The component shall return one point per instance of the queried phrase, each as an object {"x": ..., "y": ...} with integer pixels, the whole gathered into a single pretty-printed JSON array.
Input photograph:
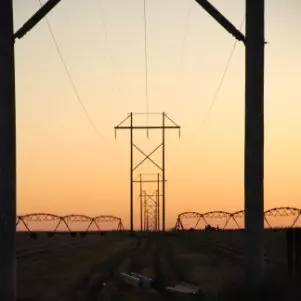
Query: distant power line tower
[
  {"x": 129, "y": 124},
  {"x": 151, "y": 211},
  {"x": 150, "y": 202},
  {"x": 152, "y": 179}
]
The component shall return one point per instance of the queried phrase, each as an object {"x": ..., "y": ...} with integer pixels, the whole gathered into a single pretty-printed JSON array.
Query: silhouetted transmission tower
[
  {"x": 150, "y": 201},
  {"x": 128, "y": 124}
]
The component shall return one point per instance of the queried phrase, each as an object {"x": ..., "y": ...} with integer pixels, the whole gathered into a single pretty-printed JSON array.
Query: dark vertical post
[
  {"x": 290, "y": 251},
  {"x": 147, "y": 220},
  {"x": 163, "y": 172},
  {"x": 7, "y": 154},
  {"x": 131, "y": 205},
  {"x": 144, "y": 211},
  {"x": 254, "y": 141},
  {"x": 156, "y": 210},
  {"x": 158, "y": 206},
  {"x": 141, "y": 205},
  {"x": 298, "y": 256},
  {"x": 293, "y": 250}
]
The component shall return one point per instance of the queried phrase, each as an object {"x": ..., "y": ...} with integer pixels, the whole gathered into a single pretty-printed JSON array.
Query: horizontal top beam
[
  {"x": 135, "y": 127},
  {"x": 130, "y": 119},
  {"x": 149, "y": 113},
  {"x": 149, "y": 181}
]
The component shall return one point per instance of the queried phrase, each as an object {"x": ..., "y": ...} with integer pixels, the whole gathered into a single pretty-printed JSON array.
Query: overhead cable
[
  {"x": 219, "y": 86},
  {"x": 71, "y": 79}
]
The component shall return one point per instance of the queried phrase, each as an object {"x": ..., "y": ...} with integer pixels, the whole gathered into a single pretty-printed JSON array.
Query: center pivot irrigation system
[
  {"x": 225, "y": 218},
  {"x": 254, "y": 43},
  {"x": 67, "y": 220}
]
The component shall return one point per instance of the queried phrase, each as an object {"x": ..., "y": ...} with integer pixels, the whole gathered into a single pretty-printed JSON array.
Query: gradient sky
[{"x": 65, "y": 167}]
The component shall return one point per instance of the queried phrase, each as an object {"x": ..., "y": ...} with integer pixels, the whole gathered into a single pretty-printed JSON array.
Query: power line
[
  {"x": 182, "y": 47},
  {"x": 185, "y": 32},
  {"x": 70, "y": 77},
  {"x": 104, "y": 26},
  {"x": 220, "y": 83},
  {"x": 218, "y": 87},
  {"x": 146, "y": 61}
]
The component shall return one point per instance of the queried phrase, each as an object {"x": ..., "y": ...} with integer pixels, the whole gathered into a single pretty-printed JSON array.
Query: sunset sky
[{"x": 65, "y": 167}]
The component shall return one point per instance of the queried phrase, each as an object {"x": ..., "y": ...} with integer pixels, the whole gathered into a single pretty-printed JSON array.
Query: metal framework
[
  {"x": 151, "y": 211},
  {"x": 150, "y": 203},
  {"x": 128, "y": 124},
  {"x": 228, "y": 216},
  {"x": 67, "y": 220}
]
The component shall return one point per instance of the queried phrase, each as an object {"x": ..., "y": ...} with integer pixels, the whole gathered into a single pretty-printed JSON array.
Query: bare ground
[{"x": 89, "y": 268}]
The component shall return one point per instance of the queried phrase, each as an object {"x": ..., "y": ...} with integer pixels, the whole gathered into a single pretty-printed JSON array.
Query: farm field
[{"x": 75, "y": 268}]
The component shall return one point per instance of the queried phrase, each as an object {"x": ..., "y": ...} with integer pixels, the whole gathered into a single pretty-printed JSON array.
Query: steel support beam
[
  {"x": 158, "y": 206},
  {"x": 7, "y": 154},
  {"x": 36, "y": 18},
  {"x": 224, "y": 22},
  {"x": 141, "y": 204},
  {"x": 131, "y": 177},
  {"x": 163, "y": 172}
]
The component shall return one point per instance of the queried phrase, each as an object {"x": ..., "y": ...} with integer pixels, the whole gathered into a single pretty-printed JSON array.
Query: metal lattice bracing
[
  {"x": 236, "y": 216},
  {"x": 279, "y": 212},
  {"x": 282, "y": 212},
  {"x": 206, "y": 217},
  {"x": 40, "y": 218},
  {"x": 189, "y": 215},
  {"x": 221, "y": 215},
  {"x": 79, "y": 219},
  {"x": 109, "y": 218}
]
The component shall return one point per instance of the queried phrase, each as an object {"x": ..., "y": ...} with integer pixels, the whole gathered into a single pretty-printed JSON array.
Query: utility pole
[
  {"x": 141, "y": 204},
  {"x": 158, "y": 205},
  {"x": 163, "y": 172},
  {"x": 254, "y": 141},
  {"x": 7, "y": 154},
  {"x": 254, "y": 132},
  {"x": 131, "y": 176},
  {"x": 8, "y": 143}
]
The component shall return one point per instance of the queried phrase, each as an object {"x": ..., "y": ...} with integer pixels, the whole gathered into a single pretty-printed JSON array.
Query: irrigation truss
[
  {"x": 68, "y": 220},
  {"x": 293, "y": 213}
]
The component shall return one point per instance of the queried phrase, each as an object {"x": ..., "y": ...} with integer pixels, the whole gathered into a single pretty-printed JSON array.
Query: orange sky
[{"x": 64, "y": 167}]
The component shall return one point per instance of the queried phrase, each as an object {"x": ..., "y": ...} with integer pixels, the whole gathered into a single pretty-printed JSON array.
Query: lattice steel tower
[{"x": 128, "y": 124}]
